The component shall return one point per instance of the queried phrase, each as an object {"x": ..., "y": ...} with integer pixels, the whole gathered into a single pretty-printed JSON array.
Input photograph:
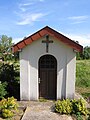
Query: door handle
[{"x": 39, "y": 80}]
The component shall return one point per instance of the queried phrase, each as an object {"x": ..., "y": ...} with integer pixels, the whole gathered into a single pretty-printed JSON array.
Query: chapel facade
[{"x": 47, "y": 65}]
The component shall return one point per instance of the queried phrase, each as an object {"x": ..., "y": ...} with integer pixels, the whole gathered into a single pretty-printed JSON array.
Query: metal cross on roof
[{"x": 47, "y": 41}]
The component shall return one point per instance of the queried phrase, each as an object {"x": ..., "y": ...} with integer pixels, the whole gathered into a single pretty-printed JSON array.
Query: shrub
[
  {"x": 71, "y": 107},
  {"x": 7, "y": 107},
  {"x": 79, "y": 106},
  {"x": 79, "y": 116},
  {"x": 88, "y": 117},
  {"x": 63, "y": 107},
  {"x": 3, "y": 91},
  {"x": 7, "y": 113},
  {"x": 9, "y": 72}
]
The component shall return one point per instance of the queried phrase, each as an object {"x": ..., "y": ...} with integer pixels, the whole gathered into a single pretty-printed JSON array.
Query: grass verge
[{"x": 83, "y": 78}]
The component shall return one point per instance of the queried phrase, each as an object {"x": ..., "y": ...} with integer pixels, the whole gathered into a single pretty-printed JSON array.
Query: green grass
[
  {"x": 85, "y": 95},
  {"x": 83, "y": 73},
  {"x": 42, "y": 100},
  {"x": 83, "y": 77}
]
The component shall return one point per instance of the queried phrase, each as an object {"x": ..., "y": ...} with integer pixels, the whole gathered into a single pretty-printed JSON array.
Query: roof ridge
[{"x": 47, "y": 30}]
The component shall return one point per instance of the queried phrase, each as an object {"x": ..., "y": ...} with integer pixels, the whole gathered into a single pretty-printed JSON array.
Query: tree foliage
[
  {"x": 9, "y": 69},
  {"x": 9, "y": 72},
  {"x": 3, "y": 91},
  {"x": 84, "y": 55},
  {"x": 5, "y": 48}
]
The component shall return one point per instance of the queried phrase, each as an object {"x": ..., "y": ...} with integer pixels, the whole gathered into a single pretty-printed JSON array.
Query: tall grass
[
  {"x": 83, "y": 78},
  {"x": 83, "y": 73}
]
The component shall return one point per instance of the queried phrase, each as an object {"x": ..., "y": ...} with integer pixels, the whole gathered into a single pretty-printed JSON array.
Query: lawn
[{"x": 83, "y": 77}]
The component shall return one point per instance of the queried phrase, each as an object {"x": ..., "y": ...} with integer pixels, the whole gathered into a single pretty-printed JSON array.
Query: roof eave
[{"x": 51, "y": 32}]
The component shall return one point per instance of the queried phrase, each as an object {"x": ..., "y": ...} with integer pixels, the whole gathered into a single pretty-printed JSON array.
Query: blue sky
[{"x": 20, "y": 18}]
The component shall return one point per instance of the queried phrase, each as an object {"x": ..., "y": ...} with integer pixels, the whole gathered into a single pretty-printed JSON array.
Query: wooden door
[{"x": 47, "y": 77}]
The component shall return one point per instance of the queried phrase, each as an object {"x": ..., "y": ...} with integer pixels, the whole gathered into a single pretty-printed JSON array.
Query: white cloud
[
  {"x": 82, "y": 39},
  {"x": 27, "y": 14},
  {"x": 78, "y": 19},
  {"x": 77, "y": 22},
  {"x": 16, "y": 40},
  {"x": 24, "y": 6},
  {"x": 27, "y": 4},
  {"x": 22, "y": 9},
  {"x": 30, "y": 18}
]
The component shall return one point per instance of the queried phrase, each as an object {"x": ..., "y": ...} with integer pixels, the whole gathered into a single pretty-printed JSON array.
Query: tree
[
  {"x": 85, "y": 54},
  {"x": 5, "y": 48}
]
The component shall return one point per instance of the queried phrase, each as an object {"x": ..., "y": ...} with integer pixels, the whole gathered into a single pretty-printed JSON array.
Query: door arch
[{"x": 47, "y": 76}]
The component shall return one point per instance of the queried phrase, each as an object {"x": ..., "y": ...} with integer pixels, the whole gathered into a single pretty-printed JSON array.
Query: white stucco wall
[{"x": 29, "y": 57}]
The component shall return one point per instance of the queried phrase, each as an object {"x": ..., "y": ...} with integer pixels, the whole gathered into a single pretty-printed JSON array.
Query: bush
[
  {"x": 7, "y": 107},
  {"x": 71, "y": 107},
  {"x": 63, "y": 107},
  {"x": 79, "y": 106},
  {"x": 3, "y": 91},
  {"x": 79, "y": 116},
  {"x": 9, "y": 72},
  {"x": 7, "y": 113}
]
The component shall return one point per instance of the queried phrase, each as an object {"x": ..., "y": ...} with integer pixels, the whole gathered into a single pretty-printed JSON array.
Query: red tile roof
[{"x": 51, "y": 32}]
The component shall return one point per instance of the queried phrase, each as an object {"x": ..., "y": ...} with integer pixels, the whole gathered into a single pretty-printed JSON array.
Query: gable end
[{"x": 43, "y": 32}]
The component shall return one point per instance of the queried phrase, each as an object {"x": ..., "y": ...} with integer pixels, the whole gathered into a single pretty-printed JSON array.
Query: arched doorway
[{"x": 47, "y": 77}]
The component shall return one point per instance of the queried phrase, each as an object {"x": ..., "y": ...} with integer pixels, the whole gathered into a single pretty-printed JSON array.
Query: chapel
[{"x": 47, "y": 65}]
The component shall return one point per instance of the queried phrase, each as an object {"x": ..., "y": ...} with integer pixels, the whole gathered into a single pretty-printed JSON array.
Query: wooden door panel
[
  {"x": 47, "y": 83},
  {"x": 43, "y": 83},
  {"x": 51, "y": 84}
]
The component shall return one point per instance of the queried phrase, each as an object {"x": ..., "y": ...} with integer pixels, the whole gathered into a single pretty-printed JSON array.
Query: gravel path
[{"x": 42, "y": 111}]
